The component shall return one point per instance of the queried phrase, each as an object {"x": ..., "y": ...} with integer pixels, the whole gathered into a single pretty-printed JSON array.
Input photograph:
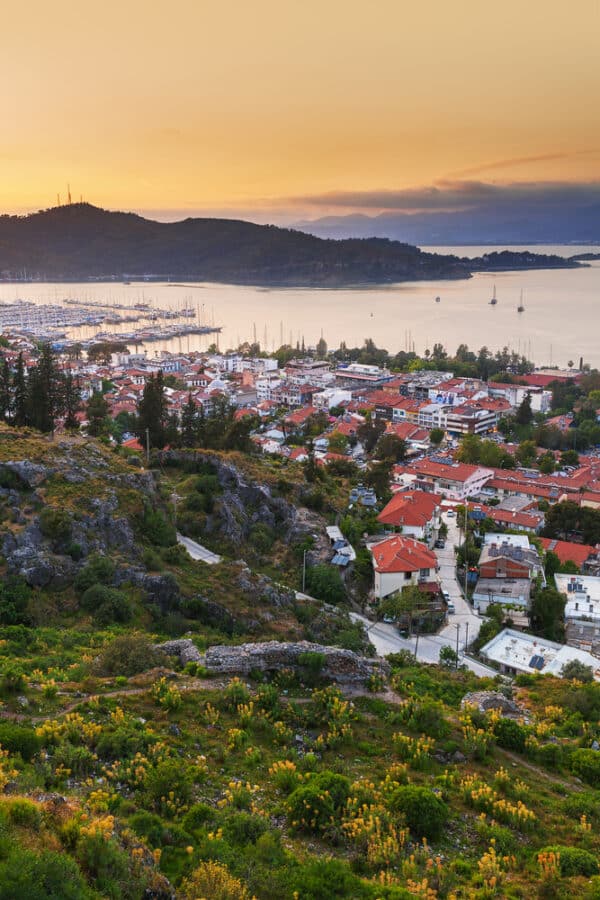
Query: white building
[
  {"x": 330, "y": 397},
  {"x": 515, "y": 652},
  {"x": 582, "y": 609}
]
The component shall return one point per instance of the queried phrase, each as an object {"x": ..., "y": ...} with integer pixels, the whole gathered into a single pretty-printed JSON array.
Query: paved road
[
  {"x": 386, "y": 638},
  {"x": 468, "y": 622},
  {"x": 197, "y": 551}
]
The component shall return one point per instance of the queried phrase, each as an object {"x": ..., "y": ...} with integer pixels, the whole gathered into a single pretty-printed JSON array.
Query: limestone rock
[
  {"x": 343, "y": 666},
  {"x": 488, "y": 700},
  {"x": 183, "y": 648}
]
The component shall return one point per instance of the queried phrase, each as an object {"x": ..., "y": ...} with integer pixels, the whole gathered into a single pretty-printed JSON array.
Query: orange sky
[{"x": 256, "y": 104}]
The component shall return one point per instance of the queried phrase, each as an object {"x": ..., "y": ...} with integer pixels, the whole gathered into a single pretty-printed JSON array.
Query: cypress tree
[
  {"x": 45, "y": 395},
  {"x": 5, "y": 392},
  {"x": 20, "y": 412},
  {"x": 97, "y": 414},
  {"x": 72, "y": 401},
  {"x": 189, "y": 423},
  {"x": 153, "y": 413}
]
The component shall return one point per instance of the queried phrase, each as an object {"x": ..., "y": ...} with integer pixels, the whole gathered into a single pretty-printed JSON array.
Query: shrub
[
  {"x": 510, "y": 735},
  {"x": 19, "y": 739},
  {"x": 312, "y": 663},
  {"x": 575, "y": 670},
  {"x": 170, "y": 776},
  {"x": 244, "y": 828},
  {"x": 14, "y": 596},
  {"x": 107, "y": 604},
  {"x": 214, "y": 880},
  {"x": 41, "y": 875},
  {"x": 317, "y": 805},
  {"x": 12, "y": 679},
  {"x": 585, "y": 803},
  {"x": 424, "y": 811},
  {"x": 128, "y": 654},
  {"x": 325, "y": 583},
  {"x": 106, "y": 864},
  {"x": 586, "y": 764},
  {"x": 157, "y": 529},
  {"x": 428, "y": 718},
  {"x": 98, "y": 570},
  {"x": 328, "y": 879},
  {"x": 25, "y": 813},
  {"x": 55, "y": 524},
  {"x": 574, "y": 861}
]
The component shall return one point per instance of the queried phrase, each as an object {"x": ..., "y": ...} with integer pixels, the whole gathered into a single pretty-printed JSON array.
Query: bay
[{"x": 560, "y": 323}]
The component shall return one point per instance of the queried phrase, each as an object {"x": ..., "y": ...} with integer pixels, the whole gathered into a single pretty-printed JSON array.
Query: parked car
[
  {"x": 451, "y": 514},
  {"x": 389, "y": 620},
  {"x": 440, "y": 543},
  {"x": 446, "y": 596},
  {"x": 451, "y": 607}
]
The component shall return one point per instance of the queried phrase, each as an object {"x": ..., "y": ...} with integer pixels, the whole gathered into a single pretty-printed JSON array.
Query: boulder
[
  {"x": 29, "y": 474},
  {"x": 184, "y": 649},
  {"x": 488, "y": 700}
]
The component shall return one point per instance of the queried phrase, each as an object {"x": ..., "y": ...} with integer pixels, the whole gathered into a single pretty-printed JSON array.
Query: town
[{"x": 472, "y": 528}]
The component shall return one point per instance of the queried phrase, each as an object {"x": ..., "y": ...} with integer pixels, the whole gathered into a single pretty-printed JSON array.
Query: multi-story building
[{"x": 401, "y": 561}]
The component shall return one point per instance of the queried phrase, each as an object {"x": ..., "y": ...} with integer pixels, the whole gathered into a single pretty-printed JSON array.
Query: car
[
  {"x": 451, "y": 514},
  {"x": 446, "y": 596},
  {"x": 440, "y": 543},
  {"x": 389, "y": 620},
  {"x": 451, "y": 607}
]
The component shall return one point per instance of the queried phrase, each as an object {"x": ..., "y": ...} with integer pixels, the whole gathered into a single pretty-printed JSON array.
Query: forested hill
[{"x": 83, "y": 241}]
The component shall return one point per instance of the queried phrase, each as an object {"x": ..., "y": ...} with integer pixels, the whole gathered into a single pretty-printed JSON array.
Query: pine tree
[
  {"x": 152, "y": 412},
  {"x": 20, "y": 412},
  {"x": 45, "y": 395},
  {"x": 5, "y": 392},
  {"x": 72, "y": 401},
  {"x": 97, "y": 414},
  {"x": 524, "y": 415},
  {"x": 189, "y": 423}
]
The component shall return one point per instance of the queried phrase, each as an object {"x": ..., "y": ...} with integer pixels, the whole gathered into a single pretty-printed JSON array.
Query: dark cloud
[{"x": 459, "y": 195}]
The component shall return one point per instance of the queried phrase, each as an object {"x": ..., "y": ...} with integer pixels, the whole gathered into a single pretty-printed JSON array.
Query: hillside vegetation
[
  {"x": 83, "y": 241},
  {"x": 124, "y": 773}
]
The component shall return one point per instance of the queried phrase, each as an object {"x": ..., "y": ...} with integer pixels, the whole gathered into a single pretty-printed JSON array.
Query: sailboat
[
  {"x": 521, "y": 306},
  {"x": 493, "y": 301}
]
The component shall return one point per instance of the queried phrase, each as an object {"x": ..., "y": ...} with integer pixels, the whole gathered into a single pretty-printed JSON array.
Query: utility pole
[
  {"x": 466, "y": 552},
  {"x": 148, "y": 446},
  {"x": 457, "y": 626},
  {"x": 417, "y": 644},
  {"x": 467, "y": 637}
]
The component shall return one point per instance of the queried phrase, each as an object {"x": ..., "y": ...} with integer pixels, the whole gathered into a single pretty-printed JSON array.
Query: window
[{"x": 424, "y": 573}]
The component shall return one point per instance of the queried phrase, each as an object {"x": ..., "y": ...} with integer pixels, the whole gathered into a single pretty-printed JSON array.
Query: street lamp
[{"x": 457, "y": 626}]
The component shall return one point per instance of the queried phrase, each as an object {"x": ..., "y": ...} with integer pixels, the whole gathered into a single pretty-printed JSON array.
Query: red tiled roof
[
  {"x": 454, "y": 472},
  {"x": 401, "y": 554},
  {"x": 412, "y": 508},
  {"x": 299, "y": 416},
  {"x": 577, "y": 553}
]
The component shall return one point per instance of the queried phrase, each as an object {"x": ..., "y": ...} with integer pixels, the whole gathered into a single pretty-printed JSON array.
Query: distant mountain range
[
  {"x": 80, "y": 241},
  {"x": 517, "y": 225}
]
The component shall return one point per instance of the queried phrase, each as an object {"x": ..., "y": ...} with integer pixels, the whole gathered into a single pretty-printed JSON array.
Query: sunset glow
[{"x": 262, "y": 108}]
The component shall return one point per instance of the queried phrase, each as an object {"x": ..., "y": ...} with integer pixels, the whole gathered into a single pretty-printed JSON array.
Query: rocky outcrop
[
  {"x": 485, "y": 701},
  {"x": 28, "y": 474},
  {"x": 184, "y": 649},
  {"x": 343, "y": 666},
  {"x": 243, "y": 503}
]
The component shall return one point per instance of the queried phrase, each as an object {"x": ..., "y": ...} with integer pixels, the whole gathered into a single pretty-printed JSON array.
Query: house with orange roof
[
  {"x": 568, "y": 552},
  {"x": 416, "y": 514},
  {"x": 401, "y": 561}
]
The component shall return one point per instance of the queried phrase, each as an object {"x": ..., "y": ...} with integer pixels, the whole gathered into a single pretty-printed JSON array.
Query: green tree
[
  {"x": 569, "y": 458},
  {"x": 97, "y": 414},
  {"x": 527, "y": 453},
  {"x": 325, "y": 583},
  {"x": 45, "y": 395},
  {"x": 391, "y": 447},
  {"x": 189, "y": 423},
  {"x": 402, "y": 605},
  {"x": 5, "y": 392},
  {"x": 71, "y": 401},
  {"x": 436, "y": 436},
  {"x": 575, "y": 670},
  {"x": 337, "y": 442},
  {"x": 524, "y": 414},
  {"x": 547, "y": 614},
  {"x": 20, "y": 410},
  {"x": 152, "y": 412}
]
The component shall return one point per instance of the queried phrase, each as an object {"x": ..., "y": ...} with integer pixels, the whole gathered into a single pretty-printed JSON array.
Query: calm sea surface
[{"x": 561, "y": 319}]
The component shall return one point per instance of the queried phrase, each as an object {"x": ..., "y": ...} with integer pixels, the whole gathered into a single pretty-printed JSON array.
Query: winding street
[{"x": 462, "y": 622}]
